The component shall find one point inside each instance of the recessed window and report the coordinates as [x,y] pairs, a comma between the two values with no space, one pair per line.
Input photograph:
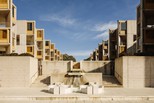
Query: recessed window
[30,26]
[39,34]
[134,37]
[13,8]
[123,26]
[4,36]
[18,39]
[46,43]
[39,53]
[29,49]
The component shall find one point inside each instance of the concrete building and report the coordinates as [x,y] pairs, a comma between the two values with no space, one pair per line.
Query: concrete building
[26,37]
[112,44]
[52,50]
[145,27]
[22,36]
[7,26]
[126,37]
[40,44]
[47,50]
[103,51]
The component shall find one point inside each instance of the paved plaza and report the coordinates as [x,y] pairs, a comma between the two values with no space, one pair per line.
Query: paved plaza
[41,95]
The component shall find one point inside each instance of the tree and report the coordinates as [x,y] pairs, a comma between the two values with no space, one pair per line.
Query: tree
[67,57]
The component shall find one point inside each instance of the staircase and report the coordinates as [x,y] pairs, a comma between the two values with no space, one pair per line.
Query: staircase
[41,81]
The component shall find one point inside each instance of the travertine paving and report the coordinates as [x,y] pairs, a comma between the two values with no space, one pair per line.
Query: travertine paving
[19,101]
[41,95]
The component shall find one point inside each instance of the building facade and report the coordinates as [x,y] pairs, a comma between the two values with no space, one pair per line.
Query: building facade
[145,27]
[126,37]
[22,36]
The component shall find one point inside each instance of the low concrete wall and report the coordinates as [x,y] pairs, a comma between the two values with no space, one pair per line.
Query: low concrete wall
[135,71]
[97,67]
[56,67]
[18,71]
[50,67]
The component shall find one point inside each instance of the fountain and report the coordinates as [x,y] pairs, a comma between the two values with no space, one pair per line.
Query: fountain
[77,80]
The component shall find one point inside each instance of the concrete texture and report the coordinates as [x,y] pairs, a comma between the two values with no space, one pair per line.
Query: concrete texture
[113,94]
[18,71]
[134,71]
[55,67]
[49,67]
[97,66]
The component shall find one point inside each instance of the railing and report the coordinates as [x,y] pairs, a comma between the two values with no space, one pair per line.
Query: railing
[4,24]
[30,43]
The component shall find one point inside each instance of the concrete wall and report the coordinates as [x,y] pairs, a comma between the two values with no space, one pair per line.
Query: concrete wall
[21,30]
[49,67]
[131,31]
[97,67]
[18,71]
[135,71]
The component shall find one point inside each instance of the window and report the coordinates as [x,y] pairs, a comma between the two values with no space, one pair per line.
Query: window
[134,37]
[123,26]
[29,49]
[39,34]
[18,39]
[13,11]
[29,26]
[46,43]
[39,53]
[3,34]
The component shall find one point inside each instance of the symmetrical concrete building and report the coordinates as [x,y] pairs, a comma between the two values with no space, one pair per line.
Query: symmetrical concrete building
[145,27]
[22,36]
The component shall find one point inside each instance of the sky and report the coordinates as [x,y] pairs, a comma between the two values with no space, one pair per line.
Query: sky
[76,26]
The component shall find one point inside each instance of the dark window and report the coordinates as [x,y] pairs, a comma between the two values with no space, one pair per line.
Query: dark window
[134,37]
[18,39]
[29,26]
[4,34]
[12,11]
[123,26]
[46,43]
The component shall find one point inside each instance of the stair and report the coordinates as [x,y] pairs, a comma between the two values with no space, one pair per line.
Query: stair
[41,81]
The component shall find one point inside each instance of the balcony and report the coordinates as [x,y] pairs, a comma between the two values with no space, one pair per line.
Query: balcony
[52,47]
[105,47]
[30,28]
[47,57]
[39,54]
[39,45]
[30,50]
[39,35]
[122,33]
[30,40]
[4,36]
[5,19]
[47,52]
[47,44]
[4,4]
